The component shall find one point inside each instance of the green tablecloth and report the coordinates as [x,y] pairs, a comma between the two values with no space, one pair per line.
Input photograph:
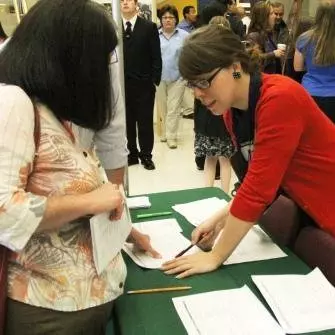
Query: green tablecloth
[154,314]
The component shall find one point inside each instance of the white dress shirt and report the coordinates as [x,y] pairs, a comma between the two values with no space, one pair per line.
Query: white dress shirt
[132,21]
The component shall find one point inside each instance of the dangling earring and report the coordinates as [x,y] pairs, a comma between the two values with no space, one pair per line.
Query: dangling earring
[237,75]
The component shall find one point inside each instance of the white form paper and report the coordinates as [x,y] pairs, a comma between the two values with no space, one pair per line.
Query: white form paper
[301,303]
[228,312]
[165,237]
[198,211]
[138,202]
[255,246]
[108,237]
[154,226]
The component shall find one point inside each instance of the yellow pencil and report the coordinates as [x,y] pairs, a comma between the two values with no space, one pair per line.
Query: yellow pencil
[162,289]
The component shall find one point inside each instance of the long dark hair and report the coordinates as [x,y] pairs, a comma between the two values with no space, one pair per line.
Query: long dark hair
[260,17]
[59,54]
[213,9]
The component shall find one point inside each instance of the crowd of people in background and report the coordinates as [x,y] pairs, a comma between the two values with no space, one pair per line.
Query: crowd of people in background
[279,48]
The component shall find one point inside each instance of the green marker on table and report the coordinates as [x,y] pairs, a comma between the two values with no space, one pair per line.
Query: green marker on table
[149,215]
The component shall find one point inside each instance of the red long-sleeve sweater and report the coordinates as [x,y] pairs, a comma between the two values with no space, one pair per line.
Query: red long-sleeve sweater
[294,149]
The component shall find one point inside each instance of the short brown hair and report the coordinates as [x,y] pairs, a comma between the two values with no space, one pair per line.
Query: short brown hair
[211,47]
[168,9]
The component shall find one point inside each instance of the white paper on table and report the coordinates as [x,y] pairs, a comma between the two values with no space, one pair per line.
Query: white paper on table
[165,237]
[158,226]
[108,237]
[198,211]
[301,303]
[255,246]
[228,312]
[138,202]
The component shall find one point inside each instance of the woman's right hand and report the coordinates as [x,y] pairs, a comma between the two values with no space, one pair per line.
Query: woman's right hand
[205,235]
[279,53]
[107,198]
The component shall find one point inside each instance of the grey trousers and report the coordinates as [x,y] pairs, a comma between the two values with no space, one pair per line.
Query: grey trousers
[23,319]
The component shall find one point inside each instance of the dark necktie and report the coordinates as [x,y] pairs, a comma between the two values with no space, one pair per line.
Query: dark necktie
[128,29]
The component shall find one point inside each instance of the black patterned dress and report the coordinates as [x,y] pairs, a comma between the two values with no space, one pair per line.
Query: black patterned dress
[211,135]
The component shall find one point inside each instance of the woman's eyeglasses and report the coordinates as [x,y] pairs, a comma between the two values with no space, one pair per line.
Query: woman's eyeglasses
[203,83]
[165,18]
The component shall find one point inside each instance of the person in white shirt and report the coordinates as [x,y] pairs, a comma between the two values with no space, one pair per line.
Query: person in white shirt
[244,17]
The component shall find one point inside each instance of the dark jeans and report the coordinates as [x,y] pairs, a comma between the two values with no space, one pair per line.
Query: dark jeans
[23,319]
[327,105]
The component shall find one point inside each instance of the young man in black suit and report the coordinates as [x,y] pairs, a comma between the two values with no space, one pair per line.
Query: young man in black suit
[143,69]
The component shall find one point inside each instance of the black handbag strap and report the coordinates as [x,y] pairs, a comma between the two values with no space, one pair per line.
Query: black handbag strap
[37,129]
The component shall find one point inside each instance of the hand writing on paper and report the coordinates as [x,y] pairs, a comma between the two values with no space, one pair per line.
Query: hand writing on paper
[205,235]
[186,266]
[142,242]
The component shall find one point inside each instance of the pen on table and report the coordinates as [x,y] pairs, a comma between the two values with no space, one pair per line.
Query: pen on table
[162,289]
[189,247]
[149,215]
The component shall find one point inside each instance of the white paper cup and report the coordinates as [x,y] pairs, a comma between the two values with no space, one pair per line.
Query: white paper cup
[281,46]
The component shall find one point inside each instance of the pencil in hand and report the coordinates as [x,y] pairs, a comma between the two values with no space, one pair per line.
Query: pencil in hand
[190,247]
[185,251]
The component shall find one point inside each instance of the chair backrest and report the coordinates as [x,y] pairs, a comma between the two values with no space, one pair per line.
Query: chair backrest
[281,221]
[317,249]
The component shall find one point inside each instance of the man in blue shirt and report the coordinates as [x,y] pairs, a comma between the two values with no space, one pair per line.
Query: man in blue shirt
[190,17]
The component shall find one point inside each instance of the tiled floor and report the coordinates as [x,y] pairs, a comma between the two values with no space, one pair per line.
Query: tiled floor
[175,169]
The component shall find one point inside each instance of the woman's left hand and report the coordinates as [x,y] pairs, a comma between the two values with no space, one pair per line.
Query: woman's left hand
[186,266]
[142,242]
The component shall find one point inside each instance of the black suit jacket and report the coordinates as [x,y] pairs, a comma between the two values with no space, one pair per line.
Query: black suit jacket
[142,52]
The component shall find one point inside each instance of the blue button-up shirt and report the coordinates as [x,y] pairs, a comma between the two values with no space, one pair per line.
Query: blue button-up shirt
[170,53]
[187,26]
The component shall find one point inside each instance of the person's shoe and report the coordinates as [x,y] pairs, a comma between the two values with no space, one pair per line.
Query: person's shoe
[148,164]
[200,162]
[132,161]
[163,139]
[172,144]
[236,187]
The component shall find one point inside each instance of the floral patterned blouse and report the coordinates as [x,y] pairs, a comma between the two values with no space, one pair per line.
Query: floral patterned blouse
[53,269]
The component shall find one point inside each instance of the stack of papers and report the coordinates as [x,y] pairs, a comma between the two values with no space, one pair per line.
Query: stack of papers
[138,202]
[108,237]
[228,312]
[197,212]
[255,246]
[301,303]
[165,237]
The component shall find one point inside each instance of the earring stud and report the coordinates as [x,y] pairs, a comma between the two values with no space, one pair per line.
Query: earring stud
[237,75]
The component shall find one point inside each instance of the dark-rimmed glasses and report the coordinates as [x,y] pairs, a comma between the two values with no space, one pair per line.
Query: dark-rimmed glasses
[203,83]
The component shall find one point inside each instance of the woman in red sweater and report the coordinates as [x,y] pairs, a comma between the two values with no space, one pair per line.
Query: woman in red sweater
[285,143]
